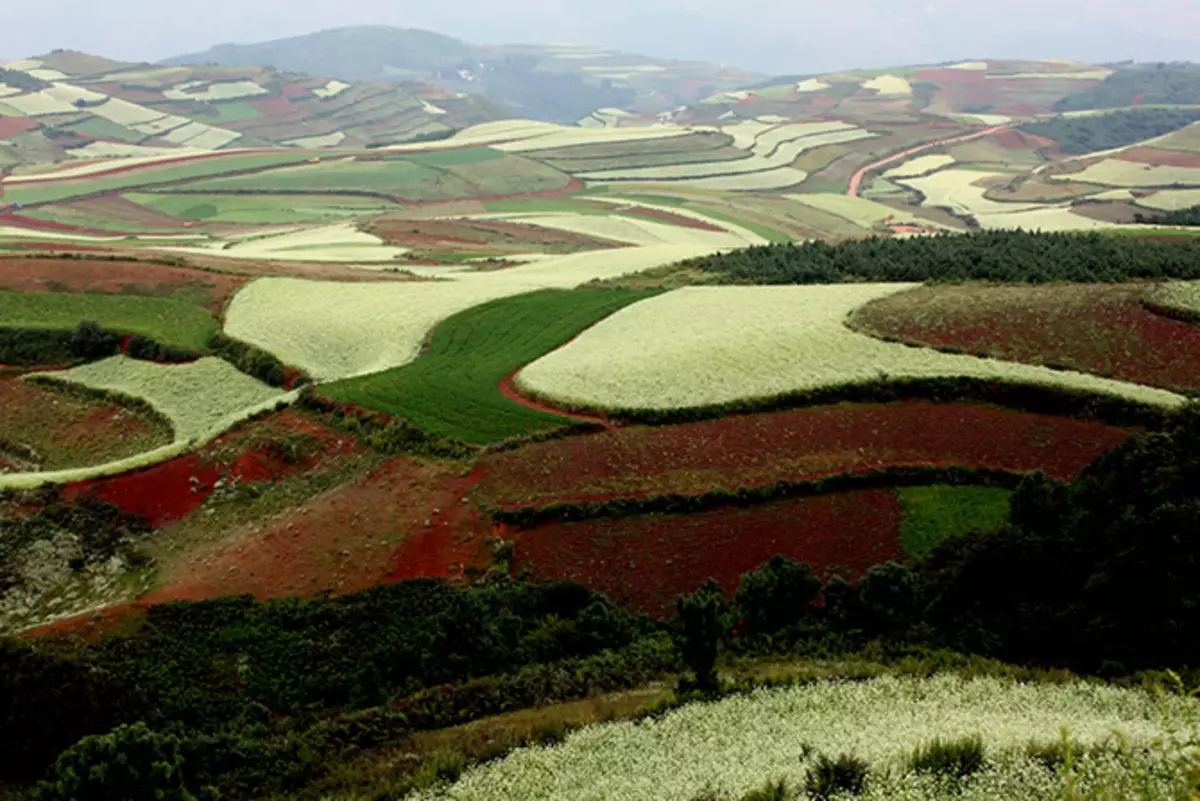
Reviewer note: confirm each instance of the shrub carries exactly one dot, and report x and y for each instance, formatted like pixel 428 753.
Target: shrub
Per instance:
pixel 951 759
pixel 130 763
pixel 829 777
pixel 701 618
pixel 776 791
pixel 776 595
pixel 91 341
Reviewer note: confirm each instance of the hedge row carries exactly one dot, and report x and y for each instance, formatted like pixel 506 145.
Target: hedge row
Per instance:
pixel 1060 402
pixel 678 504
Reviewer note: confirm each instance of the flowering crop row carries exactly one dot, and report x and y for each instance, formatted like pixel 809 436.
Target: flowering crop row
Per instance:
pixel 731 747
pixel 706 346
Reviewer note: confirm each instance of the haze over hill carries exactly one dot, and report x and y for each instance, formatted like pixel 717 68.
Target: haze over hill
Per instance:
pixel 560 83
pixel 761 35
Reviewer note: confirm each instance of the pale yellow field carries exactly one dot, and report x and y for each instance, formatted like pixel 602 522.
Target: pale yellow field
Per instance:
pixel 1081 75
pixel 328 140
pixel 39 104
pixel 1181 295
pixel 1114 172
pixel 1171 199
pixel 201 400
pixel 959 190
pixel 341 242
pixel 703 346
pixel 339 330
pixel 889 86
pixel 123 112
pixel 231 90
pixel 1048 218
pixel 858 210
pixel 812 85
pixel 331 89
pixel 921 165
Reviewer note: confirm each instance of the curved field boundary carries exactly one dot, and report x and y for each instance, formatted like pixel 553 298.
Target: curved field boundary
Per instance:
pixel 508 389
pixel 701 352
pixel 799 445
pixel 1101 329
pixel 856 180
pixel 891 477
pixel 454 389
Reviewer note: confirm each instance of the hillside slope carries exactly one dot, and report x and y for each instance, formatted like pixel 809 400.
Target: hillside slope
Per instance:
pixel 556 83
pixel 69 104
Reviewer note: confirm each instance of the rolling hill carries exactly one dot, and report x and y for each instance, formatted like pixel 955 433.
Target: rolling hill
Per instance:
pixel 556 83
pixel 69 104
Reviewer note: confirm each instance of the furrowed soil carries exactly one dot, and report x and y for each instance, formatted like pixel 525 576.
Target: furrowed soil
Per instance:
pixel 648 561
pixel 389 520
pixel 1101 329
pixel 806 444
pixel 45 430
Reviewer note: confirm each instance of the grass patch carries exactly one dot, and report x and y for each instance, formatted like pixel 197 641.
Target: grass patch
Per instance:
pixel 262 209
pixel 171 322
pixel 453 390
pixel 51 191
pixel 935 514
pixel 454 158
pixel 548 204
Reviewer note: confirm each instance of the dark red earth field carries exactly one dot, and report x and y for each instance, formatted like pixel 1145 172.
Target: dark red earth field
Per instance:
pixel 648 561
pixel 1096 328
pixel 756 450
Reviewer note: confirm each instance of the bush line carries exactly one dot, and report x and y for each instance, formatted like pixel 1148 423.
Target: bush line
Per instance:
pixel 1032 398
pixel 678 503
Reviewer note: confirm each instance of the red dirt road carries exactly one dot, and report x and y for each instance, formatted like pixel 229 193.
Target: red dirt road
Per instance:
pixel 857 179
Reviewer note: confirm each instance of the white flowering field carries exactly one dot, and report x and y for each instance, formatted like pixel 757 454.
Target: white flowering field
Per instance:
pixel 703 346
pixel 734 746
pixel 1114 172
pixel 921 165
pixel 1181 295
pixel 197 398
pixel 341 330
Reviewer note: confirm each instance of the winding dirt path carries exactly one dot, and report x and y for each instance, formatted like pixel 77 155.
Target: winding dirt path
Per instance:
pixel 857 180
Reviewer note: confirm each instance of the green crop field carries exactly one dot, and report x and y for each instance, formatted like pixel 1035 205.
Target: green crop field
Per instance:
pixel 454 158
pixel 933 515
pixel 262 209
pixel 33 193
pixel 453 390
pixel 442 176
pixel 551 204
pixel 171 322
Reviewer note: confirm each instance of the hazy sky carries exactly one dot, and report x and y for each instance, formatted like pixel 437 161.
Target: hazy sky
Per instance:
pixel 773 36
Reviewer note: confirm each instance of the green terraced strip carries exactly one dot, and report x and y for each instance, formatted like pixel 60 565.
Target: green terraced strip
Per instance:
pixel 170 322
pixel 262 209
pixel 933 515
pixel 453 390
pixel 150 175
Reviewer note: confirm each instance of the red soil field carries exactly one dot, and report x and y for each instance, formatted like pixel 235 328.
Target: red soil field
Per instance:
pixel 805 444
pixel 66 431
pixel 341 541
pixel 1169 158
pixel 168 492
pixel 11 126
pixel 1096 328
pixel 118 277
pixel 648 561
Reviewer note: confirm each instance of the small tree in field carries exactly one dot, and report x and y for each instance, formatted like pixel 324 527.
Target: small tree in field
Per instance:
pixel 92 341
pixel 701 623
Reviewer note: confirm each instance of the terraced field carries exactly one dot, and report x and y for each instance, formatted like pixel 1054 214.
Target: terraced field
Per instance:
pixel 454 388
pixel 1103 330
pixel 171 322
pixel 702 348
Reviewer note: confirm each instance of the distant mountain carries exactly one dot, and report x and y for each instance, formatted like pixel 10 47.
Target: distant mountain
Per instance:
pixel 558 83
pixel 68 104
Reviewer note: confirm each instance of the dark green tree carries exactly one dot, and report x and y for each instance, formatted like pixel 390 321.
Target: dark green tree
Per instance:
pixel 701 619
pixel 777 595
pixel 92 341
pixel 130 763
